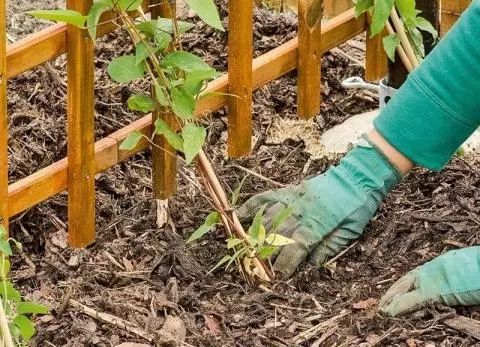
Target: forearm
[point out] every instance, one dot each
(436, 110)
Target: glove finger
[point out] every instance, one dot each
(332, 245)
(247, 211)
(399, 288)
(291, 256)
(405, 303)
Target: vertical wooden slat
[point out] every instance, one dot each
(451, 11)
(376, 60)
(333, 8)
(164, 160)
(81, 152)
(3, 118)
(240, 56)
(309, 58)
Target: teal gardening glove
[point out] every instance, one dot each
(329, 211)
(453, 279)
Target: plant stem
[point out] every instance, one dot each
(6, 336)
(397, 23)
(400, 50)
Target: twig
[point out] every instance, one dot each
(253, 173)
(313, 331)
(397, 23)
(6, 337)
(334, 259)
(111, 319)
(400, 50)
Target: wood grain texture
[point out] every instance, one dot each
(240, 55)
(45, 45)
(52, 180)
(80, 118)
(450, 12)
(3, 118)
(309, 58)
(376, 60)
(333, 8)
(164, 157)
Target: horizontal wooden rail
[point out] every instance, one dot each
(52, 180)
(45, 45)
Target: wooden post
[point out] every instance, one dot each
(164, 160)
(376, 60)
(240, 56)
(3, 118)
(333, 8)
(309, 58)
(81, 152)
(451, 11)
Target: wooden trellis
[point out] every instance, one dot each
(86, 158)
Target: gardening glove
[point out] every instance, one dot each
(437, 109)
(452, 279)
(329, 211)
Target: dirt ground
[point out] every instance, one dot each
(148, 276)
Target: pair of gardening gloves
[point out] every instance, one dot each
(433, 113)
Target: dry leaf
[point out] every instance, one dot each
(212, 326)
(362, 305)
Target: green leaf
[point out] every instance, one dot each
(8, 291)
(3, 232)
(160, 94)
(175, 140)
(131, 141)
(31, 308)
(142, 103)
(183, 103)
(143, 51)
(381, 13)
(220, 263)
(129, 5)
(211, 220)
(166, 25)
(194, 80)
(281, 217)
(416, 40)
(406, 8)
(125, 69)
(390, 44)
(265, 252)
(16, 243)
(185, 61)
(64, 16)
(425, 25)
(278, 240)
(26, 327)
(4, 267)
(193, 140)
(236, 193)
(362, 6)
(231, 243)
(237, 254)
(96, 11)
(254, 230)
(5, 247)
(207, 11)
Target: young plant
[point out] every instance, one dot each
(413, 23)
(178, 80)
(15, 325)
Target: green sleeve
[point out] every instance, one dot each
(438, 107)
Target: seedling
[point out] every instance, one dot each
(178, 80)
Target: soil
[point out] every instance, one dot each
(147, 276)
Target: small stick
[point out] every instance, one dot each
(111, 319)
(397, 23)
(6, 337)
(400, 50)
(331, 261)
(253, 173)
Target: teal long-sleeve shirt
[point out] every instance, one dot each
(438, 107)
